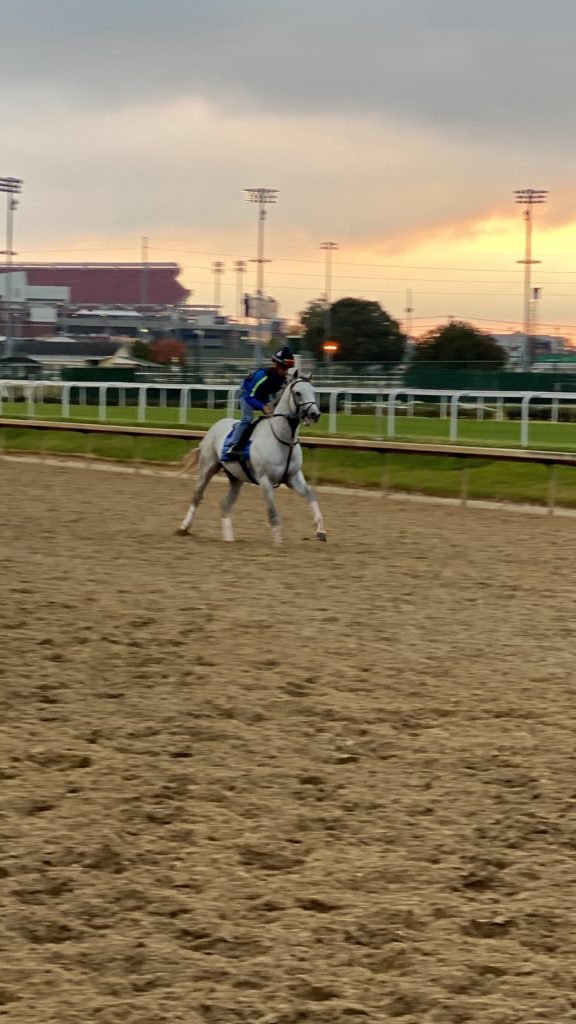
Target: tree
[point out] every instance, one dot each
(364, 331)
(461, 345)
(141, 350)
(168, 351)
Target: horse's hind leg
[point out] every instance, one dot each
(299, 484)
(227, 505)
(207, 471)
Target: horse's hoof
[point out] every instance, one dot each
(181, 532)
(322, 536)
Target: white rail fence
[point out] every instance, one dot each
(386, 401)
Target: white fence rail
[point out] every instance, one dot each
(386, 401)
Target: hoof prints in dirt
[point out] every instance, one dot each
(374, 824)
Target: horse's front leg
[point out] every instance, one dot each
(299, 484)
(273, 516)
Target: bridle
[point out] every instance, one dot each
(294, 419)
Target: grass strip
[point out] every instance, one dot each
(424, 474)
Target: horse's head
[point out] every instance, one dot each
(301, 399)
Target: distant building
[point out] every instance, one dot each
(540, 345)
(46, 357)
(113, 300)
(101, 284)
(39, 296)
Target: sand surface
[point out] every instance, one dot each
(332, 784)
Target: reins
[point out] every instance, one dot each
(293, 419)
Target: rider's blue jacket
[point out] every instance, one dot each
(260, 387)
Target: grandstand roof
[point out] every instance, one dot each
(125, 284)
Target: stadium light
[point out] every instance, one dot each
(262, 197)
(218, 269)
(528, 197)
(329, 248)
(330, 348)
(12, 187)
(240, 270)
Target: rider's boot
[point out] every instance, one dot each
(235, 452)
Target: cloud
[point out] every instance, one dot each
(354, 178)
(382, 123)
(483, 68)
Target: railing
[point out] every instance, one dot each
(450, 402)
(466, 453)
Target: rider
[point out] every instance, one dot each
(257, 394)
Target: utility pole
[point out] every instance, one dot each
(12, 187)
(329, 249)
(240, 270)
(528, 198)
(409, 309)
(144, 279)
(262, 197)
(218, 269)
(535, 311)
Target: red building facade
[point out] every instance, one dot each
(111, 284)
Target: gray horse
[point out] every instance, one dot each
(275, 458)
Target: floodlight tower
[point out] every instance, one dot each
(218, 269)
(329, 248)
(528, 198)
(262, 197)
(240, 269)
(12, 187)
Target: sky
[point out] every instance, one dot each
(397, 128)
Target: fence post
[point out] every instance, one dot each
(500, 409)
(87, 436)
(443, 407)
(554, 414)
(464, 484)
(333, 412)
(348, 403)
(552, 481)
(385, 478)
(480, 407)
(379, 410)
(65, 410)
(31, 405)
(391, 427)
(142, 403)
(102, 395)
(454, 414)
(525, 419)
(231, 403)
(184, 396)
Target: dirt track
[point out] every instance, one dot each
(334, 784)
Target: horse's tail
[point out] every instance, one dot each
(190, 461)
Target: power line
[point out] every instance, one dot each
(307, 260)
